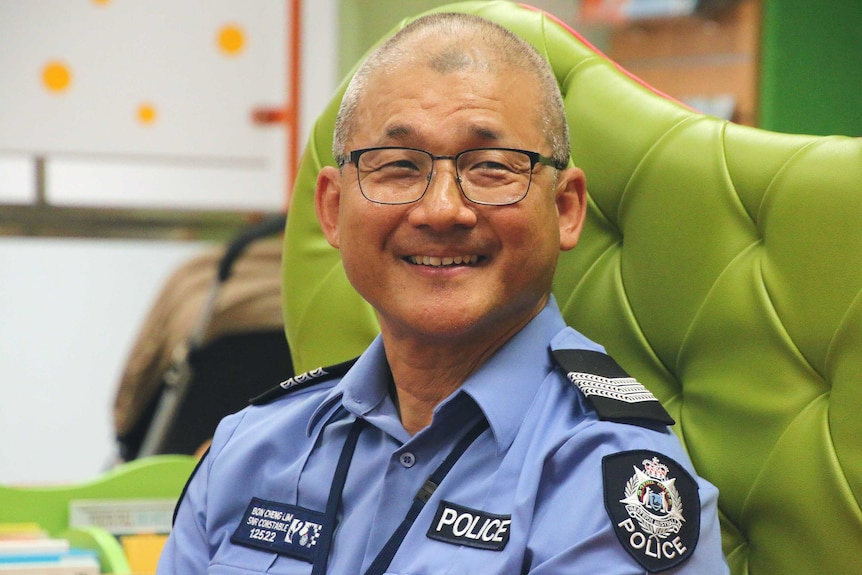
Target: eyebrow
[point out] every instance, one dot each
(401, 132)
(485, 133)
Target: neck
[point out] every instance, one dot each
(427, 372)
(421, 386)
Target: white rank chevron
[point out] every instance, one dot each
(625, 389)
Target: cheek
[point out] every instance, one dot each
(364, 230)
(356, 243)
(536, 243)
(538, 234)
(360, 267)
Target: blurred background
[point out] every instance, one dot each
(138, 134)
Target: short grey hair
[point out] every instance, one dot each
(477, 44)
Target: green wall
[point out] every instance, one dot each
(811, 67)
(363, 22)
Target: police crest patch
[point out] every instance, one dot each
(654, 505)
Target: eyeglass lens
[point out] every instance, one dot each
(485, 176)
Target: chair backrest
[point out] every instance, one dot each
(721, 265)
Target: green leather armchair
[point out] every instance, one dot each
(720, 264)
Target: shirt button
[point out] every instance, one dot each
(407, 459)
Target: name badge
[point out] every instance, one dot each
(470, 527)
(280, 528)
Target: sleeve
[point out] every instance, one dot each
(188, 549)
(625, 502)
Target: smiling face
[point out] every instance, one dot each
(443, 269)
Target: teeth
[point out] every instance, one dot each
(435, 261)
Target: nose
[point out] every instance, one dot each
(443, 205)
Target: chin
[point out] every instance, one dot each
(441, 321)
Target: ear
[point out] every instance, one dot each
(571, 206)
(327, 201)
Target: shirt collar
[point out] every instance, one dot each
(506, 385)
(503, 387)
(364, 387)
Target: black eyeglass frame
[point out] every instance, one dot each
(534, 157)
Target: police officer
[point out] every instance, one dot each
(478, 433)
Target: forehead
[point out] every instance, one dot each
(412, 101)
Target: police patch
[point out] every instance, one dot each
(654, 505)
(461, 525)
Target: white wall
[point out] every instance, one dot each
(70, 309)
(69, 314)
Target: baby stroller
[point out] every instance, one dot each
(213, 339)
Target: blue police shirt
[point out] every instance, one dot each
(532, 494)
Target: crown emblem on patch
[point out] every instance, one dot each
(655, 469)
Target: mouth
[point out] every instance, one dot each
(444, 261)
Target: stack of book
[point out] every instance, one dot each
(140, 525)
(26, 550)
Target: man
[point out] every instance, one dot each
(457, 443)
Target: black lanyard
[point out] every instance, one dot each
(334, 498)
(384, 558)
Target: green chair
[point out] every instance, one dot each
(158, 477)
(720, 264)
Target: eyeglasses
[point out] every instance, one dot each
(488, 176)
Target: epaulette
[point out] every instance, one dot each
(613, 393)
(302, 381)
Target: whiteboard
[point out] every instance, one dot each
(156, 86)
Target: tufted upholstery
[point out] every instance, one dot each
(721, 265)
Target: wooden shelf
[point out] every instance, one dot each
(697, 57)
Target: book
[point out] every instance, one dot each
(70, 562)
(28, 550)
(32, 546)
(55, 569)
(14, 531)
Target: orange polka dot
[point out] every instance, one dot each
(101, 2)
(56, 76)
(231, 39)
(146, 113)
